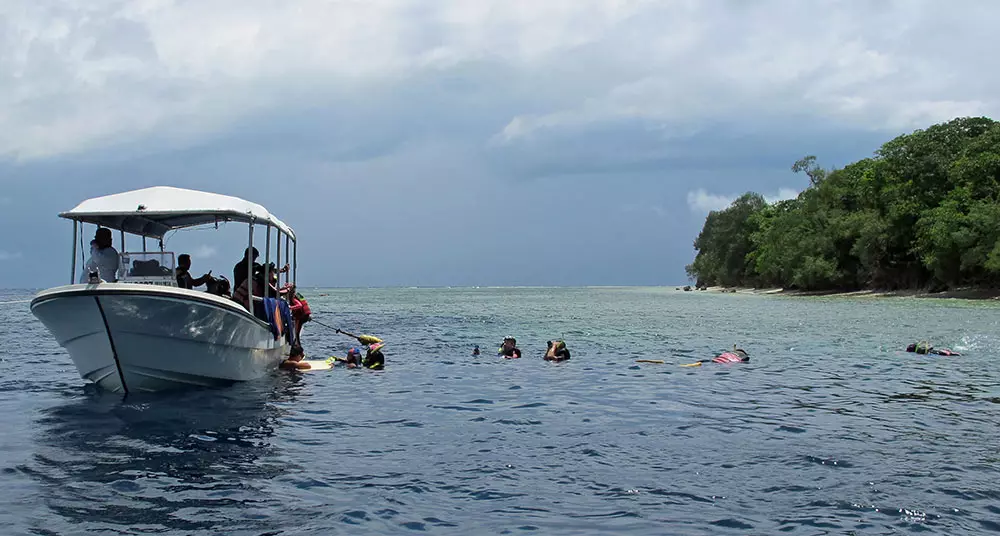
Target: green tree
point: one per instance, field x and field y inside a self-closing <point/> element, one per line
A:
<point x="808" y="165"/>
<point x="724" y="243"/>
<point x="924" y="211"/>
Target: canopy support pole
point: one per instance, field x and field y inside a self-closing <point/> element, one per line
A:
<point x="267" y="262"/>
<point x="295" y="261"/>
<point x="288" y="275"/>
<point x="277" y="243"/>
<point x="250" y="269"/>
<point x="72" y="269"/>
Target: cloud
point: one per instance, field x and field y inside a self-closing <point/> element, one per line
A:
<point x="830" y="61"/>
<point x="782" y="194"/>
<point x="9" y="256"/>
<point x="78" y="77"/>
<point x="702" y="202"/>
<point x="204" y="252"/>
<point x="117" y="74"/>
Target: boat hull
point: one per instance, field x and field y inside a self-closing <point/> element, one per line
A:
<point x="139" y="338"/>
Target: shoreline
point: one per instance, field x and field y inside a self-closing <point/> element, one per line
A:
<point x="956" y="294"/>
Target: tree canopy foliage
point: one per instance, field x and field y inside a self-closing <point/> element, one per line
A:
<point x="923" y="212"/>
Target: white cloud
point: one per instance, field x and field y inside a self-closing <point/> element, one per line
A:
<point x="829" y="61"/>
<point x="77" y="76"/>
<point x="204" y="252"/>
<point x="702" y="202"/>
<point x="781" y="195"/>
<point x="9" y="256"/>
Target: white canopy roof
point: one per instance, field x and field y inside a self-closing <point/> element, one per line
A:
<point x="154" y="211"/>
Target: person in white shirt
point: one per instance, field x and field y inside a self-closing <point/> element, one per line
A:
<point x="104" y="257"/>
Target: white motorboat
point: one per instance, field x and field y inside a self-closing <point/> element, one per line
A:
<point x="143" y="332"/>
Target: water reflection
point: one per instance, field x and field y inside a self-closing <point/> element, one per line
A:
<point x="184" y="461"/>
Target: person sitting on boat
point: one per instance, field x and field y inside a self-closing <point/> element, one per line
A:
<point x="286" y="290"/>
<point x="184" y="278"/>
<point x="557" y="351"/>
<point x="104" y="260"/>
<point x="242" y="296"/>
<point x="508" y="349"/>
<point x="923" y="347"/>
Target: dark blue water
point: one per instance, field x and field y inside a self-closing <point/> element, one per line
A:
<point x="829" y="430"/>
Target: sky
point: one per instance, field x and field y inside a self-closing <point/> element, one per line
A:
<point x="462" y="142"/>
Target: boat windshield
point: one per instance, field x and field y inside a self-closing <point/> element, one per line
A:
<point x="149" y="268"/>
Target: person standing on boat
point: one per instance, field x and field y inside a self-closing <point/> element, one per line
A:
<point x="184" y="278"/>
<point x="104" y="259"/>
<point x="240" y="269"/>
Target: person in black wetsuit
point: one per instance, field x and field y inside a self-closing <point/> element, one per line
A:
<point x="509" y="349"/>
<point x="240" y="269"/>
<point x="374" y="359"/>
<point x="557" y="351"/>
<point x="184" y="277"/>
<point x="924" y="347"/>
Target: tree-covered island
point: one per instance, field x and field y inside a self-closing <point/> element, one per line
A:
<point x="922" y="213"/>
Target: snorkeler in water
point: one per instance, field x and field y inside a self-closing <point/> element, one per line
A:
<point x="737" y="355"/>
<point x="923" y="347"/>
<point x="508" y="349"/>
<point x="556" y="351"/>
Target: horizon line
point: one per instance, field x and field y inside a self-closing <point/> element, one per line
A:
<point x="429" y="287"/>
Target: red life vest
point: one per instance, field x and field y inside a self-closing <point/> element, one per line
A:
<point x="300" y="309"/>
<point x="728" y="357"/>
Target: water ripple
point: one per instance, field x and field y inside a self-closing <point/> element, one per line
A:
<point x="830" y="429"/>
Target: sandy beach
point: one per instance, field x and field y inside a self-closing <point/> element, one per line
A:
<point x="957" y="294"/>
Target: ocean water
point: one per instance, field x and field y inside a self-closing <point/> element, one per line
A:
<point x="830" y="429"/>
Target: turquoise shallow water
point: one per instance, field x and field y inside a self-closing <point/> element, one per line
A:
<point x="831" y="429"/>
